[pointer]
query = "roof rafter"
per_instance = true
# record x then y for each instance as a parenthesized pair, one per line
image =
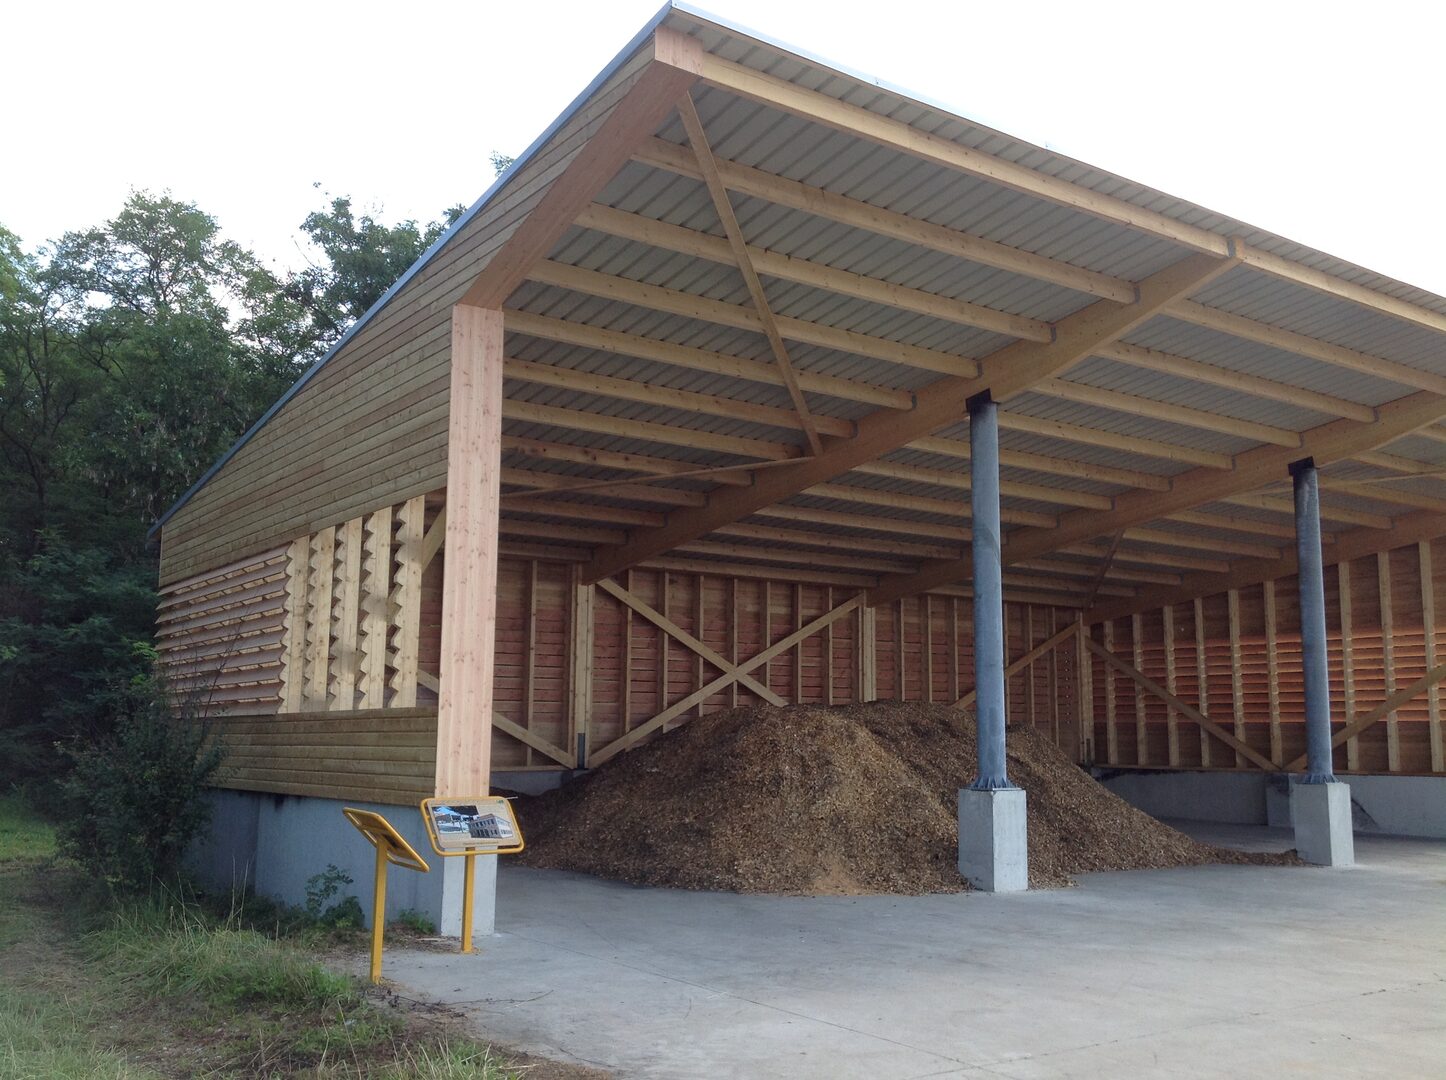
(1409, 529)
(726, 217)
(1007, 372)
(671, 71)
(858, 121)
(1253, 469)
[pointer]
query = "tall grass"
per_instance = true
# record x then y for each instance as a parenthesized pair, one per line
(173, 950)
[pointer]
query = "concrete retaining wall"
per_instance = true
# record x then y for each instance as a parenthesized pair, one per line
(274, 844)
(1386, 805)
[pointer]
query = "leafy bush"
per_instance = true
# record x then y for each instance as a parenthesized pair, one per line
(346, 913)
(134, 798)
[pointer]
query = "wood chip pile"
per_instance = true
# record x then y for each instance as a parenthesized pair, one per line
(810, 800)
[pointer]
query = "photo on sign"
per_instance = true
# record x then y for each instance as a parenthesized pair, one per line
(460, 825)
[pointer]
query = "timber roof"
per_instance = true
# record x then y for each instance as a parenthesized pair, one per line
(1158, 364)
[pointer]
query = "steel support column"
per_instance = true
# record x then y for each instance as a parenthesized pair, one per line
(988, 592)
(1312, 624)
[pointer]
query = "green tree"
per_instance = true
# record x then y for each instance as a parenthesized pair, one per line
(361, 259)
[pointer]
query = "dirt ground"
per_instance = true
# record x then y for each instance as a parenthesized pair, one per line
(812, 800)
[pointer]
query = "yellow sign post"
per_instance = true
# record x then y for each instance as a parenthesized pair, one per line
(471, 826)
(391, 848)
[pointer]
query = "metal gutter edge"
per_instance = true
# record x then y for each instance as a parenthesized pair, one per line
(487, 196)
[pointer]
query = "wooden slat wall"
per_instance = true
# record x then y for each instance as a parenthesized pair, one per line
(921, 645)
(386, 756)
(371, 427)
(220, 635)
(1247, 644)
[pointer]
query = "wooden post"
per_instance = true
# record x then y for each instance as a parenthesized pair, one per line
(1348, 662)
(1085, 676)
(1428, 627)
(868, 685)
(347, 659)
(1202, 678)
(579, 676)
(469, 581)
(1237, 680)
(1112, 746)
(1172, 722)
(1388, 658)
(1142, 735)
(293, 659)
(1272, 671)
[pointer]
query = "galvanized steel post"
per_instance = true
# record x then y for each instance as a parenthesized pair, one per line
(988, 591)
(1312, 624)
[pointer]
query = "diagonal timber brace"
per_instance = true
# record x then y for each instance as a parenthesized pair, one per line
(731, 675)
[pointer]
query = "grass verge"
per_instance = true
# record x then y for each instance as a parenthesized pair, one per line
(161, 988)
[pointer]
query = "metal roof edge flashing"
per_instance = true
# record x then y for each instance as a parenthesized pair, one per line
(452, 230)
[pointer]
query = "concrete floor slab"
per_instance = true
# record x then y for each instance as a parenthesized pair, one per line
(1198, 971)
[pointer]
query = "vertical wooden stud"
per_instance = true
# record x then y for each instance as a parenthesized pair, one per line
(865, 637)
(318, 617)
(798, 649)
(828, 691)
(1052, 686)
(700, 586)
(1348, 663)
(1237, 679)
(1388, 658)
(1137, 641)
(1202, 678)
(926, 633)
(1428, 628)
(901, 671)
(627, 657)
(581, 649)
(529, 675)
(293, 657)
(376, 600)
(1272, 672)
(407, 600)
(1172, 718)
(346, 661)
(1112, 747)
(469, 580)
(663, 640)
(1029, 696)
(1085, 674)
(953, 611)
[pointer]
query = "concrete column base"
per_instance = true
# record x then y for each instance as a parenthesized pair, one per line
(484, 899)
(994, 839)
(1322, 817)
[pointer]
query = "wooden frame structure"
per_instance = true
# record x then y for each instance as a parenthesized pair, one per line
(673, 420)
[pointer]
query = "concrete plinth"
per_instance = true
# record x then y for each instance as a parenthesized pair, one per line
(993, 839)
(1322, 817)
(274, 845)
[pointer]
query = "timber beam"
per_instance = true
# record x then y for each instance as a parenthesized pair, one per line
(1011, 370)
(1253, 469)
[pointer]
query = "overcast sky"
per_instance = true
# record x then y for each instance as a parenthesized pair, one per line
(1321, 121)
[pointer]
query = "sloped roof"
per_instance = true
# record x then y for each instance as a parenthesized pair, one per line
(900, 245)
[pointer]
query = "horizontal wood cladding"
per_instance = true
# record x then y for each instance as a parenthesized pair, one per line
(372, 755)
(370, 427)
(1236, 657)
(220, 635)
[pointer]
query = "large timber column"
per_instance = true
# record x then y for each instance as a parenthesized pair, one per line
(469, 588)
(993, 840)
(1320, 804)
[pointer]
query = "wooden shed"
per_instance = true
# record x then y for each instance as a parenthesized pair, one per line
(674, 419)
